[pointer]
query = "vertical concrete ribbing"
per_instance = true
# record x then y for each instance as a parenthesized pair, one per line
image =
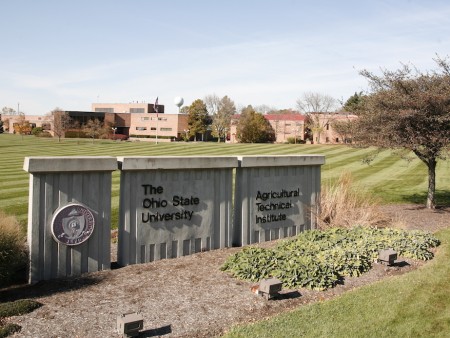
(54, 183)
(275, 193)
(185, 206)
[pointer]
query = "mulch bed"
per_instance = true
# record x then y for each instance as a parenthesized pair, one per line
(183, 297)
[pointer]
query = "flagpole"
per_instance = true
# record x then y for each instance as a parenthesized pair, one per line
(157, 118)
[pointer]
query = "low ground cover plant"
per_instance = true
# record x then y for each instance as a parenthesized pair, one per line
(319, 259)
(7, 329)
(414, 304)
(17, 308)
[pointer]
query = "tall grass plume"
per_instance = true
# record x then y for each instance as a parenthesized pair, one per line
(12, 248)
(345, 204)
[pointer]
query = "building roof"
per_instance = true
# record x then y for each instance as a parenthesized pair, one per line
(285, 117)
(278, 117)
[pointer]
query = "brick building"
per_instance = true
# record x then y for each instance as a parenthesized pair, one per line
(135, 120)
(285, 126)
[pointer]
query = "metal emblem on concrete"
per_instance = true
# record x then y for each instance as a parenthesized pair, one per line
(73, 224)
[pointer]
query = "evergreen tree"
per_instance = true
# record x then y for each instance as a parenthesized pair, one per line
(254, 128)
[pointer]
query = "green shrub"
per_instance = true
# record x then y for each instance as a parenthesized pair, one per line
(152, 136)
(75, 134)
(8, 329)
(44, 134)
(120, 137)
(293, 140)
(319, 259)
(12, 248)
(36, 131)
(18, 308)
(254, 263)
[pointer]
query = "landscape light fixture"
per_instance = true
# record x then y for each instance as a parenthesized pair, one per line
(269, 287)
(387, 256)
(129, 324)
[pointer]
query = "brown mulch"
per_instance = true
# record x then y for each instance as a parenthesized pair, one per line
(183, 297)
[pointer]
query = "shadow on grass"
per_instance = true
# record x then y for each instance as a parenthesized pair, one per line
(442, 198)
(46, 288)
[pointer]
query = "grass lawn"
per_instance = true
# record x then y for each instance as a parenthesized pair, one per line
(389, 177)
(411, 305)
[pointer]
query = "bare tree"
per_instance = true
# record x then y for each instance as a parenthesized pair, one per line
(8, 111)
(344, 128)
(212, 103)
(184, 110)
(265, 109)
(93, 128)
(61, 122)
(222, 119)
(318, 108)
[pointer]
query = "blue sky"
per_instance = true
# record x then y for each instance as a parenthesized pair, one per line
(69, 54)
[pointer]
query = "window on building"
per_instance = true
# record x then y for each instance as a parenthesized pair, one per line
(137, 110)
(327, 139)
(153, 128)
(141, 128)
(166, 129)
(145, 118)
(328, 126)
(105, 110)
(46, 126)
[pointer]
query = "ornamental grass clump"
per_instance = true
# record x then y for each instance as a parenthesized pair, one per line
(12, 248)
(320, 259)
(344, 204)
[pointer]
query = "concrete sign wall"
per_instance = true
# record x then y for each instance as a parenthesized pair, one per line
(69, 225)
(169, 207)
(275, 196)
(173, 206)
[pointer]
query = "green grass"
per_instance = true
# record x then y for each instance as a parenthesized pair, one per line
(389, 177)
(411, 305)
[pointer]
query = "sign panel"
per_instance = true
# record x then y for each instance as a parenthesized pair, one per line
(174, 206)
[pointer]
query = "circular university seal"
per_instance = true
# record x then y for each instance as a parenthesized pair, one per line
(72, 224)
